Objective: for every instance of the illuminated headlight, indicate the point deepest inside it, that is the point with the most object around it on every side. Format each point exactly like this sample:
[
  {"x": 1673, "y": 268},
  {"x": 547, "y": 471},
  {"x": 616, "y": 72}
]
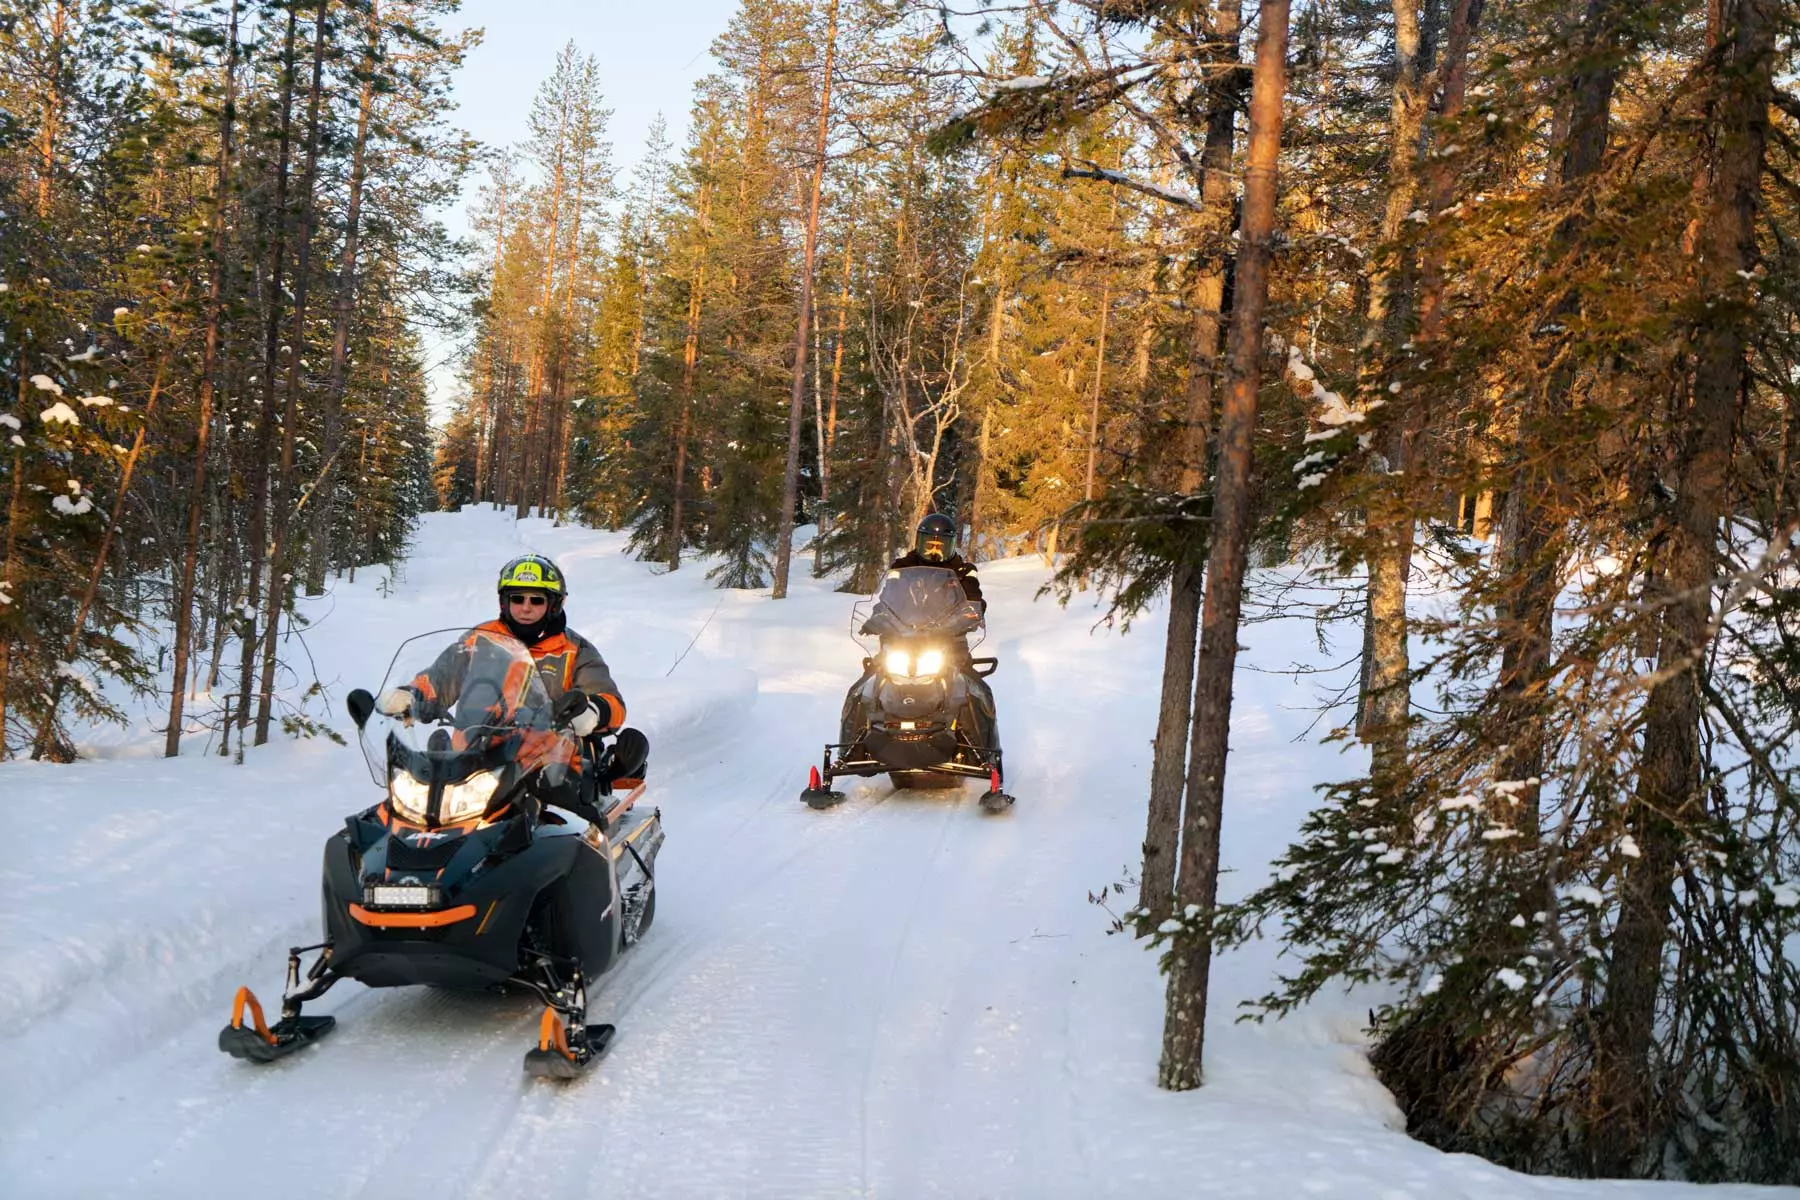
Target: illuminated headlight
[
  {"x": 899, "y": 662},
  {"x": 930, "y": 662},
  {"x": 467, "y": 799},
  {"x": 409, "y": 795}
]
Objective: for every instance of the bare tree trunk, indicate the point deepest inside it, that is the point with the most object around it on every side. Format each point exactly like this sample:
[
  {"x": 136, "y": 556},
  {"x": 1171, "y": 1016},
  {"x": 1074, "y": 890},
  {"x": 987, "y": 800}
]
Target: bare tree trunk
[
  {"x": 1440, "y": 181},
  {"x": 1534, "y": 523},
  {"x": 690, "y": 356},
  {"x": 1670, "y": 786},
  {"x": 42, "y": 741},
  {"x": 184, "y": 590},
  {"x": 1168, "y": 766},
  {"x": 1093, "y": 454},
  {"x": 319, "y": 537},
  {"x": 255, "y": 555},
  {"x": 1386, "y": 701},
  {"x": 290, "y": 418},
  {"x": 1197, "y": 884},
  {"x": 50, "y": 123},
  {"x": 13, "y": 517},
  {"x": 790, "y": 479}
]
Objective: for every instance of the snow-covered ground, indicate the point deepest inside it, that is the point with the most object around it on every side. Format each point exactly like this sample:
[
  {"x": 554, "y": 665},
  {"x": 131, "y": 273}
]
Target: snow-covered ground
[{"x": 900, "y": 997}]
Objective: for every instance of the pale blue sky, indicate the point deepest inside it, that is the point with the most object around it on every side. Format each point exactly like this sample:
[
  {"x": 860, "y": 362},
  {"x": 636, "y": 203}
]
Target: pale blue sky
[{"x": 651, "y": 52}]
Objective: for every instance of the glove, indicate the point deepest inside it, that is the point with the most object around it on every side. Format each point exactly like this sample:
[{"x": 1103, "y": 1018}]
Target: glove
[
  {"x": 590, "y": 718},
  {"x": 395, "y": 702}
]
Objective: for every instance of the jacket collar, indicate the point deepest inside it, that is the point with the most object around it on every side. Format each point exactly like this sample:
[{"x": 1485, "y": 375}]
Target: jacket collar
[{"x": 531, "y": 635}]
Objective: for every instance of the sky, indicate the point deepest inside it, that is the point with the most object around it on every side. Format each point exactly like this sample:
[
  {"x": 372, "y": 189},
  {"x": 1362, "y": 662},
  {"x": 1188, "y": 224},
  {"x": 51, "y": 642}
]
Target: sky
[{"x": 651, "y": 52}]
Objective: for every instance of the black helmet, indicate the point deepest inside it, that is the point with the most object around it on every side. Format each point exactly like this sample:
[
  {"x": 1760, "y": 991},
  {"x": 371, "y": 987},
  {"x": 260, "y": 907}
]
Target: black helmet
[
  {"x": 534, "y": 573},
  {"x": 936, "y": 540}
]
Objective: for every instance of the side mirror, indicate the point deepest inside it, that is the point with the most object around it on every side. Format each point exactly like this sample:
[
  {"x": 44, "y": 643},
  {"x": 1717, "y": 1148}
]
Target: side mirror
[{"x": 361, "y": 704}]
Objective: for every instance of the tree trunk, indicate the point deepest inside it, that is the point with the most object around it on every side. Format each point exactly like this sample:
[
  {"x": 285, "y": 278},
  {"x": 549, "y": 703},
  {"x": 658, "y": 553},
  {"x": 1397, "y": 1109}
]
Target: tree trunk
[
  {"x": 1184, "y": 1027},
  {"x": 41, "y": 744},
  {"x": 1534, "y": 523},
  {"x": 184, "y": 590},
  {"x": 319, "y": 536},
  {"x": 1386, "y": 700},
  {"x": 1168, "y": 765},
  {"x": 290, "y": 418},
  {"x": 51, "y": 122},
  {"x": 1670, "y": 786},
  {"x": 13, "y": 516},
  {"x": 690, "y": 356},
  {"x": 255, "y": 555},
  {"x": 790, "y": 478},
  {"x": 1093, "y": 450}
]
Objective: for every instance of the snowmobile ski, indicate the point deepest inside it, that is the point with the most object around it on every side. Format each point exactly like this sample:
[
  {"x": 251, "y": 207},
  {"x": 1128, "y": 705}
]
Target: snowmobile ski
[
  {"x": 562, "y": 1054},
  {"x": 258, "y": 1042},
  {"x": 817, "y": 794},
  {"x": 995, "y": 800}
]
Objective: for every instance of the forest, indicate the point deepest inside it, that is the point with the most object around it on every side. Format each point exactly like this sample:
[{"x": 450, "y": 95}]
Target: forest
[{"x": 1487, "y": 314}]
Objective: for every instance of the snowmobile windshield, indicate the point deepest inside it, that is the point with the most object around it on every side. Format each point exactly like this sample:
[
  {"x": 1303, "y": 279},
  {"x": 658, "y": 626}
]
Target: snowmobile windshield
[
  {"x": 477, "y": 705},
  {"x": 922, "y": 600}
]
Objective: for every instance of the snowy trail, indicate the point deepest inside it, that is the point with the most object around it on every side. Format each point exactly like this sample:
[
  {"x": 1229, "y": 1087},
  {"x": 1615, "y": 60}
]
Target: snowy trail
[{"x": 899, "y": 997}]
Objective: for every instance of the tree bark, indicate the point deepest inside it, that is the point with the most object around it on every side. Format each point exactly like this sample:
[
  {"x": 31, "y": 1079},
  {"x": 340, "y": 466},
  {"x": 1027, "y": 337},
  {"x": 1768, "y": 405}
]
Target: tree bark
[
  {"x": 318, "y": 560},
  {"x": 42, "y": 741},
  {"x": 790, "y": 478},
  {"x": 1670, "y": 785},
  {"x": 690, "y": 357},
  {"x": 1168, "y": 766},
  {"x": 284, "y": 516},
  {"x": 1184, "y": 1027},
  {"x": 184, "y": 589},
  {"x": 1386, "y": 701},
  {"x": 258, "y": 474},
  {"x": 1093, "y": 449},
  {"x": 1534, "y": 524}
]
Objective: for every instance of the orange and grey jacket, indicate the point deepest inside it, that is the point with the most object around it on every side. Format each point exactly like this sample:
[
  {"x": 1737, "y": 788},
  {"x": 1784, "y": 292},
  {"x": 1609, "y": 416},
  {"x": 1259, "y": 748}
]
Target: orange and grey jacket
[{"x": 565, "y": 660}]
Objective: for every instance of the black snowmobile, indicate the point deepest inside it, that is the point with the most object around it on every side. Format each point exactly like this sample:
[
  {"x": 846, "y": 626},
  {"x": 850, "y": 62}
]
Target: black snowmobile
[
  {"x": 922, "y": 711},
  {"x": 464, "y": 876}
]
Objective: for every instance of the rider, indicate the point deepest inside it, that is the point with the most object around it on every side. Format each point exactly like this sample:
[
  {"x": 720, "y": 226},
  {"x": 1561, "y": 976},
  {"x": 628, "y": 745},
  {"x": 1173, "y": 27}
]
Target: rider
[
  {"x": 532, "y": 590},
  {"x": 935, "y": 546}
]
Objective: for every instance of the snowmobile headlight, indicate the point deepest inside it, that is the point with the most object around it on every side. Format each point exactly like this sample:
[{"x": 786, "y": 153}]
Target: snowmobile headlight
[
  {"x": 930, "y": 663},
  {"x": 409, "y": 795},
  {"x": 467, "y": 799},
  {"x": 899, "y": 662}
]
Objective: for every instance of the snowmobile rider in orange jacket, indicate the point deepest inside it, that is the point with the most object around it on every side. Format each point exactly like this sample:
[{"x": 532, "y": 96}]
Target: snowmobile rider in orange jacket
[
  {"x": 935, "y": 546},
  {"x": 532, "y": 590}
]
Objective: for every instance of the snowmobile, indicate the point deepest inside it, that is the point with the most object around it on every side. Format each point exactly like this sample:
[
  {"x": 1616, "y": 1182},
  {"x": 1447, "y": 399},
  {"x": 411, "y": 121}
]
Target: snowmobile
[
  {"x": 921, "y": 711},
  {"x": 464, "y": 876}
]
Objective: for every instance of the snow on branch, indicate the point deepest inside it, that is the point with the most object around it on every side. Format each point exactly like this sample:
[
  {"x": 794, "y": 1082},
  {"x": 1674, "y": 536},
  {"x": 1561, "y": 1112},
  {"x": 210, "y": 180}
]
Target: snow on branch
[{"x": 1168, "y": 195}]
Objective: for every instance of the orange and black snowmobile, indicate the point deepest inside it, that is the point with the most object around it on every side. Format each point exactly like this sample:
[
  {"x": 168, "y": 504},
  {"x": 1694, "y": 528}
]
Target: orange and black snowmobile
[{"x": 466, "y": 875}]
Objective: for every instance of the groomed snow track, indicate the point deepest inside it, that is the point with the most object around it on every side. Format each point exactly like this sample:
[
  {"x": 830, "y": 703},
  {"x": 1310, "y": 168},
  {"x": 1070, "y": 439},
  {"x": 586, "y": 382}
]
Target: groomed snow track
[{"x": 899, "y": 997}]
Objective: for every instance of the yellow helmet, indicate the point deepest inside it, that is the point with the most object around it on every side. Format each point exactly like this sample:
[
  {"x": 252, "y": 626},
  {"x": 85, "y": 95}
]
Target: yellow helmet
[{"x": 535, "y": 572}]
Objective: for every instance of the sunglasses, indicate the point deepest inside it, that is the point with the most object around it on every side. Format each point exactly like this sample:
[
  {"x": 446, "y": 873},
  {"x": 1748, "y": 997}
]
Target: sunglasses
[{"x": 528, "y": 599}]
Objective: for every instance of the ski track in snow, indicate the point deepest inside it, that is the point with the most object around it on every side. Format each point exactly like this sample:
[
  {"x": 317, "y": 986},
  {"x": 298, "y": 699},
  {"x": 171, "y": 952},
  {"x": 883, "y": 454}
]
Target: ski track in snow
[{"x": 899, "y": 997}]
